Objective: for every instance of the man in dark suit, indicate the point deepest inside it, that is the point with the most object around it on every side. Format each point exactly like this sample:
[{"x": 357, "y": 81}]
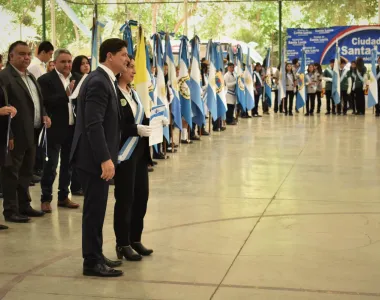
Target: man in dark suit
[
  {"x": 24, "y": 94},
  {"x": 5, "y": 112},
  {"x": 56, "y": 88},
  {"x": 95, "y": 150}
]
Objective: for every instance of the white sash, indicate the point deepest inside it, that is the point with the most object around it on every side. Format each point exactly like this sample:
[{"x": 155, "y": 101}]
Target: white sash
[
  {"x": 290, "y": 78},
  {"x": 360, "y": 76},
  {"x": 344, "y": 73},
  {"x": 378, "y": 76},
  {"x": 131, "y": 143},
  {"x": 258, "y": 76}
]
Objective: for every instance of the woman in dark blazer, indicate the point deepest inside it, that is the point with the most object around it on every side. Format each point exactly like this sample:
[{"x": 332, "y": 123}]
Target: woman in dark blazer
[{"x": 131, "y": 176}]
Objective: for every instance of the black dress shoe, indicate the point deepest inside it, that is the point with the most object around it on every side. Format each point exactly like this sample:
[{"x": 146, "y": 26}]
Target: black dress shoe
[
  {"x": 159, "y": 156},
  {"x": 101, "y": 270},
  {"x": 78, "y": 193},
  {"x": 195, "y": 138},
  {"x": 3, "y": 227},
  {"x": 17, "y": 218},
  {"x": 112, "y": 263},
  {"x": 155, "y": 163},
  {"x": 36, "y": 179},
  {"x": 186, "y": 142},
  {"x": 205, "y": 133},
  {"x": 31, "y": 212},
  {"x": 223, "y": 128},
  {"x": 140, "y": 249},
  {"x": 128, "y": 253},
  {"x": 231, "y": 123}
]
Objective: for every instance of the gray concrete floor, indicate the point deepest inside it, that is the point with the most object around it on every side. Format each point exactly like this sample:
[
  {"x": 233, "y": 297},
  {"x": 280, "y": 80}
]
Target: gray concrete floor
[{"x": 274, "y": 208}]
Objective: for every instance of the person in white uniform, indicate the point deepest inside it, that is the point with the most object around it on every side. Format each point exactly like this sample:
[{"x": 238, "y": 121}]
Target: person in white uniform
[{"x": 230, "y": 80}]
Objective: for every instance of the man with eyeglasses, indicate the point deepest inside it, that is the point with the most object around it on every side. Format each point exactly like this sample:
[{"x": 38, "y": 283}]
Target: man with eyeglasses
[{"x": 24, "y": 94}]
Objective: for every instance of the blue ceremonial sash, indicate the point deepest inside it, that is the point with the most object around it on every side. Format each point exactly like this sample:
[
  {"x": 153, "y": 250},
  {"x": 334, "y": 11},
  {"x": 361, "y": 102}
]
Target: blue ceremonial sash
[{"x": 131, "y": 143}]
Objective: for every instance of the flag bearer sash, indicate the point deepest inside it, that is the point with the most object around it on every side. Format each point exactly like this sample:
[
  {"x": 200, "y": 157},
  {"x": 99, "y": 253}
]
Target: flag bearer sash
[{"x": 131, "y": 143}]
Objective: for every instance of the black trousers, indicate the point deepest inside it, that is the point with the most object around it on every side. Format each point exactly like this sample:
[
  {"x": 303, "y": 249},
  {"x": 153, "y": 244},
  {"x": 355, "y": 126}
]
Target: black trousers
[
  {"x": 217, "y": 124},
  {"x": 230, "y": 113},
  {"x": 75, "y": 183},
  {"x": 330, "y": 102},
  {"x": 289, "y": 100},
  {"x": 353, "y": 101},
  {"x": 16, "y": 179},
  {"x": 94, "y": 210},
  {"x": 360, "y": 100},
  {"x": 255, "y": 110},
  {"x": 50, "y": 169},
  {"x": 344, "y": 97},
  {"x": 319, "y": 100},
  {"x": 131, "y": 194},
  {"x": 310, "y": 103},
  {"x": 276, "y": 101}
]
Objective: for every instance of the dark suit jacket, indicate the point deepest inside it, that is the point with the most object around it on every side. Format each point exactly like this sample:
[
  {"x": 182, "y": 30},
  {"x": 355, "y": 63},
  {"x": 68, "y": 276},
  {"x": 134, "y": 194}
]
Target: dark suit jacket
[
  {"x": 18, "y": 96},
  {"x": 56, "y": 103},
  {"x": 3, "y": 129},
  {"x": 97, "y": 130},
  {"x": 129, "y": 128}
]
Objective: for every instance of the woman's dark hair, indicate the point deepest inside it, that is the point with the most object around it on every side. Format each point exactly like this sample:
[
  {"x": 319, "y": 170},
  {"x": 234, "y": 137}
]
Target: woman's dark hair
[
  {"x": 77, "y": 64},
  {"x": 204, "y": 67},
  {"x": 1, "y": 58},
  {"x": 360, "y": 65},
  {"x": 295, "y": 61},
  {"x": 318, "y": 67},
  {"x": 111, "y": 46}
]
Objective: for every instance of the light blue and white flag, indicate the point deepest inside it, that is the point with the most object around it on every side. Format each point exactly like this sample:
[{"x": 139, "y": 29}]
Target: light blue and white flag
[
  {"x": 248, "y": 83},
  {"x": 211, "y": 87},
  {"x": 282, "y": 78},
  {"x": 127, "y": 36},
  {"x": 96, "y": 40},
  {"x": 373, "y": 91},
  {"x": 183, "y": 81},
  {"x": 173, "y": 84},
  {"x": 160, "y": 84},
  {"x": 221, "y": 91},
  {"x": 268, "y": 80},
  {"x": 240, "y": 87},
  {"x": 195, "y": 84},
  {"x": 336, "y": 77},
  {"x": 302, "y": 92}
]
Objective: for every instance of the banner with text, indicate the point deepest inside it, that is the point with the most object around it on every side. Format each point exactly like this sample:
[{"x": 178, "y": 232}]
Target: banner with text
[{"x": 319, "y": 43}]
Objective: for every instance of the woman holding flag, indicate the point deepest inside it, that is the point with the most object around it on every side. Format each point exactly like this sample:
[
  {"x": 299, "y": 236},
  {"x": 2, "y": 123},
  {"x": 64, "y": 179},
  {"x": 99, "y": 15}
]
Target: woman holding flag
[
  {"x": 311, "y": 83},
  {"x": 360, "y": 85},
  {"x": 378, "y": 87},
  {"x": 131, "y": 176}
]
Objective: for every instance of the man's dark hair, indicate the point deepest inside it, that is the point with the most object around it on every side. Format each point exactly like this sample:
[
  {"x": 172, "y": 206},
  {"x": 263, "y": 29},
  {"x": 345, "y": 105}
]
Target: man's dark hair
[
  {"x": 332, "y": 61},
  {"x": 12, "y": 47},
  {"x": 231, "y": 64},
  {"x": 111, "y": 46},
  {"x": 45, "y": 46},
  {"x": 295, "y": 61}
]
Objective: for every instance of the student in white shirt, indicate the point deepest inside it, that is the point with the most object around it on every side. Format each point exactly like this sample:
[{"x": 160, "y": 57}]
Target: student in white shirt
[{"x": 38, "y": 65}]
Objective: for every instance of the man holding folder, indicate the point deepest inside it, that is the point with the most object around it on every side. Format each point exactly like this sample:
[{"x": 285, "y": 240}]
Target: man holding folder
[{"x": 6, "y": 113}]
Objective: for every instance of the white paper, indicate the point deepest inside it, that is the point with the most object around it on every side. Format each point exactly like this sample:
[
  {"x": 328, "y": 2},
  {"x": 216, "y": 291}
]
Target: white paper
[
  {"x": 77, "y": 89},
  {"x": 157, "y": 132}
]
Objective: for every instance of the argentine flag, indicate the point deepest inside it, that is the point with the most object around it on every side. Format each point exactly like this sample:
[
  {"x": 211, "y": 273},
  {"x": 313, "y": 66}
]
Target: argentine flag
[
  {"x": 173, "y": 84},
  {"x": 301, "y": 95},
  {"x": 160, "y": 85},
  {"x": 183, "y": 81},
  {"x": 142, "y": 79},
  {"x": 194, "y": 84},
  {"x": 248, "y": 83},
  {"x": 336, "y": 78},
  {"x": 221, "y": 101},
  {"x": 373, "y": 87},
  {"x": 240, "y": 88},
  {"x": 211, "y": 87},
  {"x": 127, "y": 36},
  {"x": 268, "y": 80}
]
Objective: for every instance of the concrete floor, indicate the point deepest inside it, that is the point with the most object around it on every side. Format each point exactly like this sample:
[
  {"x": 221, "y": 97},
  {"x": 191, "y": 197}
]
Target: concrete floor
[{"x": 275, "y": 208}]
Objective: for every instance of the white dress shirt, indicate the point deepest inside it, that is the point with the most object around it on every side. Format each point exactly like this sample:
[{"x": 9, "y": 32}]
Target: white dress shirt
[
  {"x": 111, "y": 76},
  {"x": 66, "y": 85},
  {"x": 132, "y": 103},
  {"x": 33, "y": 91},
  {"x": 230, "y": 81},
  {"x": 37, "y": 67}
]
